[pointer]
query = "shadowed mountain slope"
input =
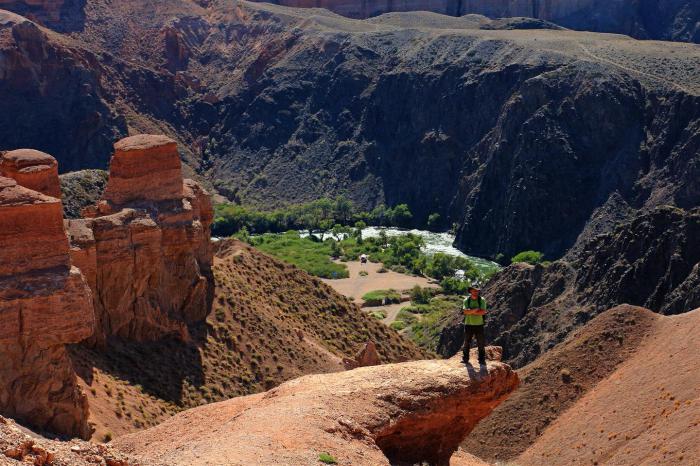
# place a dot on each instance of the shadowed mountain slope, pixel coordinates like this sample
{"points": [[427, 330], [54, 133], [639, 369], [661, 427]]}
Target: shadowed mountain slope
{"points": [[502, 129]]}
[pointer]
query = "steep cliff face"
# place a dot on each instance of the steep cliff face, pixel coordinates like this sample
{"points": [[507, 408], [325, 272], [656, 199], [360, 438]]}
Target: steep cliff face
{"points": [[70, 117], [646, 19], [45, 304], [146, 248]]}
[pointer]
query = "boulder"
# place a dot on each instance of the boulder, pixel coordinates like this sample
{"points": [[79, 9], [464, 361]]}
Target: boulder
{"points": [[45, 304], [367, 356], [388, 414], [32, 169]]}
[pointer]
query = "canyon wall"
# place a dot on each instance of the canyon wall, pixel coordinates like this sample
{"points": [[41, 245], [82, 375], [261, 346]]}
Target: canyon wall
{"points": [[62, 15]]}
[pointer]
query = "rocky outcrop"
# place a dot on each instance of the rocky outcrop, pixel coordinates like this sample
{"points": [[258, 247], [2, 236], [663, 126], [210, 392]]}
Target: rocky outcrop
{"points": [[32, 169], [367, 356], [651, 261], [45, 304], [146, 248], [18, 447], [644, 19], [390, 414]]}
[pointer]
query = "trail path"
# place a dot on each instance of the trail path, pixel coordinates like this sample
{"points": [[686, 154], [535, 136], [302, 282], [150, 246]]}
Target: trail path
{"points": [[634, 70]]}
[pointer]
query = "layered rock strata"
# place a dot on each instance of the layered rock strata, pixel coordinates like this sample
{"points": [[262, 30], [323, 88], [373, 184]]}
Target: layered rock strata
{"points": [[404, 413], [145, 247], [45, 304]]}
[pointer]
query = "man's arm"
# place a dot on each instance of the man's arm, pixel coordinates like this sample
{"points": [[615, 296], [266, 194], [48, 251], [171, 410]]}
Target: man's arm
{"points": [[482, 309]]}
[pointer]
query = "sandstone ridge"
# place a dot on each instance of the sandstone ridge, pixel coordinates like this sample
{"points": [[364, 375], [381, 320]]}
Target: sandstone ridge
{"points": [[389, 414]]}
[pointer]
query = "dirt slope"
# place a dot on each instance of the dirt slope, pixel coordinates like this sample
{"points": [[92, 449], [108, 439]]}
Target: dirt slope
{"points": [[270, 322], [558, 379], [646, 412]]}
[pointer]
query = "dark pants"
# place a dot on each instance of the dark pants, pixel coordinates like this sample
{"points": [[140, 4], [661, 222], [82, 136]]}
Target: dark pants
{"points": [[478, 332]]}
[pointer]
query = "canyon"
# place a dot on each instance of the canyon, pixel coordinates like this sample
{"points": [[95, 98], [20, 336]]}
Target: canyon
{"points": [[120, 317], [137, 273], [475, 119]]}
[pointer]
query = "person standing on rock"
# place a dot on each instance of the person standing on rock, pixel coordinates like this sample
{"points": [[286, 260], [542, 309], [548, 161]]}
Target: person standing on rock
{"points": [[474, 309]]}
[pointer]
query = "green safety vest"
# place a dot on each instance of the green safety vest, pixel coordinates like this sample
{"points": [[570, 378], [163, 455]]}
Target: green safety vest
{"points": [[470, 303]]}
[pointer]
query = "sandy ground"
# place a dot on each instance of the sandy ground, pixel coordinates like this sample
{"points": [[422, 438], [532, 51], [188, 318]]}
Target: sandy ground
{"points": [[356, 286]]}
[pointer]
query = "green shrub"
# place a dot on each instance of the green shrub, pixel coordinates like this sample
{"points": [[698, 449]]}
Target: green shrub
{"points": [[379, 315], [398, 325], [531, 257], [421, 295], [363, 273], [433, 221], [311, 256], [327, 458], [381, 297], [405, 316]]}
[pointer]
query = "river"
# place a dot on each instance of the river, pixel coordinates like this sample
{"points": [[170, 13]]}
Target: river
{"points": [[434, 242]]}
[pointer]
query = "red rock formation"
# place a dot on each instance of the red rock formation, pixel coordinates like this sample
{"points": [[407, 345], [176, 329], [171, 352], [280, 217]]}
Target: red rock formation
{"points": [[32, 169], [146, 251], [389, 414], [45, 304]]}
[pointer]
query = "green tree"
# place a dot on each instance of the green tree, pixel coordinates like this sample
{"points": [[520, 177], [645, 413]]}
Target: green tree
{"points": [[401, 216], [343, 210], [378, 215], [440, 266]]}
